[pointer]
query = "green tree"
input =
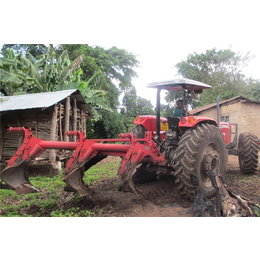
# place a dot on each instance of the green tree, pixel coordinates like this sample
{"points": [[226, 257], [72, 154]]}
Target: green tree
{"points": [[50, 71], [253, 91], [117, 66], [34, 49], [109, 128], [222, 69], [134, 106], [13, 75], [95, 98]]}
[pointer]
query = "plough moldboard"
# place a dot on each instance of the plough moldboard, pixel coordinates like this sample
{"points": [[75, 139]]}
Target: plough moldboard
{"points": [[87, 152]]}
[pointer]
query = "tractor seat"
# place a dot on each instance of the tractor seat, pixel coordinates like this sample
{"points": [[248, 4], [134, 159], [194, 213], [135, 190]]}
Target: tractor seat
{"points": [[173, 122]]}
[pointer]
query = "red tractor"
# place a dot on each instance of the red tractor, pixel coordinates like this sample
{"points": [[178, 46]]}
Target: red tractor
{"points": [[176, 146], [246, 148], [181, 130]]}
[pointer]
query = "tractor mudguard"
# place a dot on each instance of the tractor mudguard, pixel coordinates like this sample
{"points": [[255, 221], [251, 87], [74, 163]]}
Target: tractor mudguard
{"points": [[191, 121]]}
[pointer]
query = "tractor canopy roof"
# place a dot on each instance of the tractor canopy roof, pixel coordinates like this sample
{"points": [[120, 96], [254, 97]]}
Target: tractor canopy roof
{"points": [[179, 85]]}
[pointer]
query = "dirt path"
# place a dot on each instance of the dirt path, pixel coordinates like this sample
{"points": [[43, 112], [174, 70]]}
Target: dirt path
{"points": [[162, 199]]}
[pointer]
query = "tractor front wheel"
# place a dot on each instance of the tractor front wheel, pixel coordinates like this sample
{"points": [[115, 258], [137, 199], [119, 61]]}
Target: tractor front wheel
{"points": [[200, 150], [248, 153]]}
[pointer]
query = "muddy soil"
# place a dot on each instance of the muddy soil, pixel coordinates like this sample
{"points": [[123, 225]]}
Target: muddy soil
{"points": [[161, 198]]}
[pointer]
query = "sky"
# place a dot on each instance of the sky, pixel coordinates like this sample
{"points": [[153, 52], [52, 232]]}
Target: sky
{"points": [[160, 33]]}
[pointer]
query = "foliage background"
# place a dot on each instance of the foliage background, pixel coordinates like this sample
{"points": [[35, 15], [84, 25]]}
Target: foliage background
{"points": [[105, 78]]}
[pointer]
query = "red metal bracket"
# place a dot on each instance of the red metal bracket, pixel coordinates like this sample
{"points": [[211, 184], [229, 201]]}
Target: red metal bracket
{"points": [[29, 149], [147, 151]]}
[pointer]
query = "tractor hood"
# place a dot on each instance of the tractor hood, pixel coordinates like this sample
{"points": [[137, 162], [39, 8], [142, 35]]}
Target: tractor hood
{"points": [[179, 85]]}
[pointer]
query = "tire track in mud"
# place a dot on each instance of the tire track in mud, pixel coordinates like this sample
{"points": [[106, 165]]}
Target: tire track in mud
{"points": [[160, 198], [164, 192]]}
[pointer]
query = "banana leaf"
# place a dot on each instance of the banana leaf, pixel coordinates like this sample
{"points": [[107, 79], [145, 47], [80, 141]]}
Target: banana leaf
{"points": [[9, 78], [6, 62]]}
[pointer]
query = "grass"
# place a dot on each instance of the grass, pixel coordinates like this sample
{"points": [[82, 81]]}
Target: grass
{"points": [[100, 171], [49, 202]]}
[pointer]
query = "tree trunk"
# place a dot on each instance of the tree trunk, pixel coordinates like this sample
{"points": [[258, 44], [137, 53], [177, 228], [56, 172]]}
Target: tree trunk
{"points": [[233, 205], [52, 155], [83, 121], [228, 203], [67, 119], [60, 123], [75, 115], [1, 137]]}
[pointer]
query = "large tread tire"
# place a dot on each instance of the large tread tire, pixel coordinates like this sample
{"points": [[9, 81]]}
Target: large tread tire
{"points": [[248, 157], [200, 149]]}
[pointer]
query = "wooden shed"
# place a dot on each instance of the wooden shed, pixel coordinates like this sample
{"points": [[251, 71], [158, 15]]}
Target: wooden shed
{"points": [[239, 111], [49, 115]]}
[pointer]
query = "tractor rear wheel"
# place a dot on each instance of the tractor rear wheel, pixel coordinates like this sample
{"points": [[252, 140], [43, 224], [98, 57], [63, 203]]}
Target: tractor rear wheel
{"points": [[200, 150], [248, 156]]}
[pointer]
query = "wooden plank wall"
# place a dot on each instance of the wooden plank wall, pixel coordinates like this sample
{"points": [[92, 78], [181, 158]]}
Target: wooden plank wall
{"points": [[39, 121]]}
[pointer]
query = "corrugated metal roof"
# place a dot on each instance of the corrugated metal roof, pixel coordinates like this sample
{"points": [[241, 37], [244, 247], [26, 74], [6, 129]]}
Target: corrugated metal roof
{"points": [[39, 100], [225, 102]]}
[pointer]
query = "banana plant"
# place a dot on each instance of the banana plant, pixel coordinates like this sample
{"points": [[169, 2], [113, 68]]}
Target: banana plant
{"points": [[51, 72], [95, 98], [12, 76]]}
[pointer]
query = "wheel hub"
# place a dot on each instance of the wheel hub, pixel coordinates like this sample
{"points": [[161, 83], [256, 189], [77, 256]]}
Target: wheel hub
{"points": [[210, 162]]}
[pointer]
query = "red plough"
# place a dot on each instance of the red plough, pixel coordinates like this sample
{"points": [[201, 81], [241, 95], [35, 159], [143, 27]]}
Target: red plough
{"points": [[87, 152]]}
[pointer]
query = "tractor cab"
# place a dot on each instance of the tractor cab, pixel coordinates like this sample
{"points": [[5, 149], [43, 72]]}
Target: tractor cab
{"points": [[189, 89]]}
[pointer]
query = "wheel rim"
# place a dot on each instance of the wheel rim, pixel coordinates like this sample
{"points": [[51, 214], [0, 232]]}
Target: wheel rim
{"points": [[210, 162]]}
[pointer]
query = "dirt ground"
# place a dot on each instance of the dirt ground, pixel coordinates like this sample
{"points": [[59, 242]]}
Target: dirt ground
{"points": [[161, 198]]}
